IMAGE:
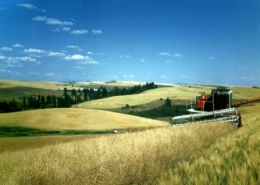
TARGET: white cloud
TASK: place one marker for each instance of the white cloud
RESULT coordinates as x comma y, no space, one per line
164,54
169,55
42,53
6,49
31,7
33,74
39,18
52,21
14,60
56,54
163,76
2,57
31,50
247,78
128,76
72,46
50,74
81,59
18,46
66,29
177,55
28,59
79,49
96,31
57,30
79,32
75,57
126,56
78,67
6,71
90,53
142,60
185,76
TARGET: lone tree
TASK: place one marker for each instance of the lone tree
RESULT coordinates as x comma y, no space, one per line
168,103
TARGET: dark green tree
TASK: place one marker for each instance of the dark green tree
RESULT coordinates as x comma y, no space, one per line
104,92
74,94
86,94
54,101
91,93
43,102
49,101
168,103
65,91
24,102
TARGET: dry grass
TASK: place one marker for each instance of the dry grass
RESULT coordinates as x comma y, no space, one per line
131,158
4,83
234,159
175,93
22,143
178,92
75,119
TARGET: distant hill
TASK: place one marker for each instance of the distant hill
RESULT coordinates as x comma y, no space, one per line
178,92
75,119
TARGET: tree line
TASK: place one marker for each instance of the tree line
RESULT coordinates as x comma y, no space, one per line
103,92
70,97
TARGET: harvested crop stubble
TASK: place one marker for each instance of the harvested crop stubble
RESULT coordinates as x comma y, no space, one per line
131,158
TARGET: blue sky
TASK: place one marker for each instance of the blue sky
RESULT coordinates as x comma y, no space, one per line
180,41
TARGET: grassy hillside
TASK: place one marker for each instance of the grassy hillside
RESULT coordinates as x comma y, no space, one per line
131,158
17,93
213,153
13,89
178,92
174,93
234,159
5,83
74,119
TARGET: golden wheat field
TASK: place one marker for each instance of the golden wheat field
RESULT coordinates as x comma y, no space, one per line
75,119
212,153
175,93
130,158
234,159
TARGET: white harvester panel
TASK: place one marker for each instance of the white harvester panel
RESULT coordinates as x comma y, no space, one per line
224,115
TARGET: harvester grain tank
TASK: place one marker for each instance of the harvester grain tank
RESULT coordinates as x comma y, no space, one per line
217,106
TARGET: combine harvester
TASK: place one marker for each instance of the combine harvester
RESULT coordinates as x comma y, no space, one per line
217,106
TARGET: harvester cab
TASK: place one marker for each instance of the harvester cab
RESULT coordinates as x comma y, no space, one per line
220,98
217,106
